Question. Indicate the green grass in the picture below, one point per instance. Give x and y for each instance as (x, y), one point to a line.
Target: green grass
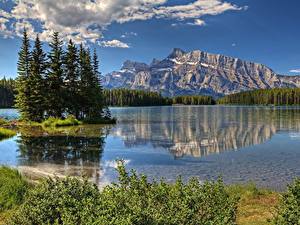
(6, 133)
(256, 206)
(56, 122)
(12, 188)
(12, 191)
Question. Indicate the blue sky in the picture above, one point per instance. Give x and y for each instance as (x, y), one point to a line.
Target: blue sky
(265, 31)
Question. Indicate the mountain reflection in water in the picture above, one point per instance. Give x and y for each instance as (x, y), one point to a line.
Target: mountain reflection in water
(201, 131)
(261, 144)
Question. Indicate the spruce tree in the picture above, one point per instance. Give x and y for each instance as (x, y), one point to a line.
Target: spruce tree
(82, 83)
(55, 79)
(35, 83)
(90, 90)
(86, 75)
(99, 101)
(71, 79)
(23, 92)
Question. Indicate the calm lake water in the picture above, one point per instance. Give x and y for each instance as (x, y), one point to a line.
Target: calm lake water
(241, 144)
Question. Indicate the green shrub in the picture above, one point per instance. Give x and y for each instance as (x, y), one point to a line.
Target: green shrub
(56, 122)
(132, 201)
(6, 133)
(12, 188)
(59, 201)
(136, 201)
(289, 208)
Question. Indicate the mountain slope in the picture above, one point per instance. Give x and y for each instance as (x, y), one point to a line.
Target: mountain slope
(197, 72)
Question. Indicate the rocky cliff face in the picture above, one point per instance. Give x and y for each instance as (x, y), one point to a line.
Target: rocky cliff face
(197, 72)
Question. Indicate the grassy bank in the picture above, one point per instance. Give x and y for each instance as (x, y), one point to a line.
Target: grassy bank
(6, 133)
(136, 201)
(57, 122)
(255, 206)
(72, 121)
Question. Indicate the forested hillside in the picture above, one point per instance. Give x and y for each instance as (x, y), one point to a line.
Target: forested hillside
(194, 100)
(125, 97)
(278, 96)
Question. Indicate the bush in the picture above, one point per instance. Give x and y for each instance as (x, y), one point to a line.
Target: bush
(289, 209)
(56, 122)
(6, 133)
(12, 188)
(54, 201)
(133, 201)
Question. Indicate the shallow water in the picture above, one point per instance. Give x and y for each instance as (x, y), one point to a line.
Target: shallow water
(241, 144)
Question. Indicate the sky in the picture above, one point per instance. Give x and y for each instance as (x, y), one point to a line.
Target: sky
(264, 31)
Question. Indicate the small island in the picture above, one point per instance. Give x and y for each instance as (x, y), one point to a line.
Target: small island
(61, 87)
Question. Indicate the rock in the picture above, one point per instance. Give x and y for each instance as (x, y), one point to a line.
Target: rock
(197, 73)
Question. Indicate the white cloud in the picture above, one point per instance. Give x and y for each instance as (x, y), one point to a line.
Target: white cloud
(129, 34)
(114, 44)
(197, 22)
(233, 44)
(295, 71)
(84, 20)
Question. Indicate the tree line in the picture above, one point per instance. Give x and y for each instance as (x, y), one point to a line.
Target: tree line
(59, 82)
(126, 97)
(6, 93)
(194, 100)
(277, 96)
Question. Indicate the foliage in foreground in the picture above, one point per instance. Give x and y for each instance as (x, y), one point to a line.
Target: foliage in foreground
(12, 188)
(136, 201)
(133, 201)
(289, 208)
(6, 133)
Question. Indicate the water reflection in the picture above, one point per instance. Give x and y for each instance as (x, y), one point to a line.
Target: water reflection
(201, 131)
(150, 138)
(73, 151)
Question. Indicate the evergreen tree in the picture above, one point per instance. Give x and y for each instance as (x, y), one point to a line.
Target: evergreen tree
(22, 98)
(71, 79)
(65, 83)
(97, 85)
(276, 96)
(55, 79)
(35, 83)
(7, 93)
(96, 64)
(90, 89)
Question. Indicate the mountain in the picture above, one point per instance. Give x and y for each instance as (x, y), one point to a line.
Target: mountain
(197, 72)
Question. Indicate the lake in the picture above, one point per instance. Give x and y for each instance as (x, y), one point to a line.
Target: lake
(241, 144)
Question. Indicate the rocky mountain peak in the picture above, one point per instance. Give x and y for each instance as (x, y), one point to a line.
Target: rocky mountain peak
(176, 53)
(134, 66)
(197, 73)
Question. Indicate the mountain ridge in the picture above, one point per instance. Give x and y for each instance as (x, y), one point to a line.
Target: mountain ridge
(197, 73)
